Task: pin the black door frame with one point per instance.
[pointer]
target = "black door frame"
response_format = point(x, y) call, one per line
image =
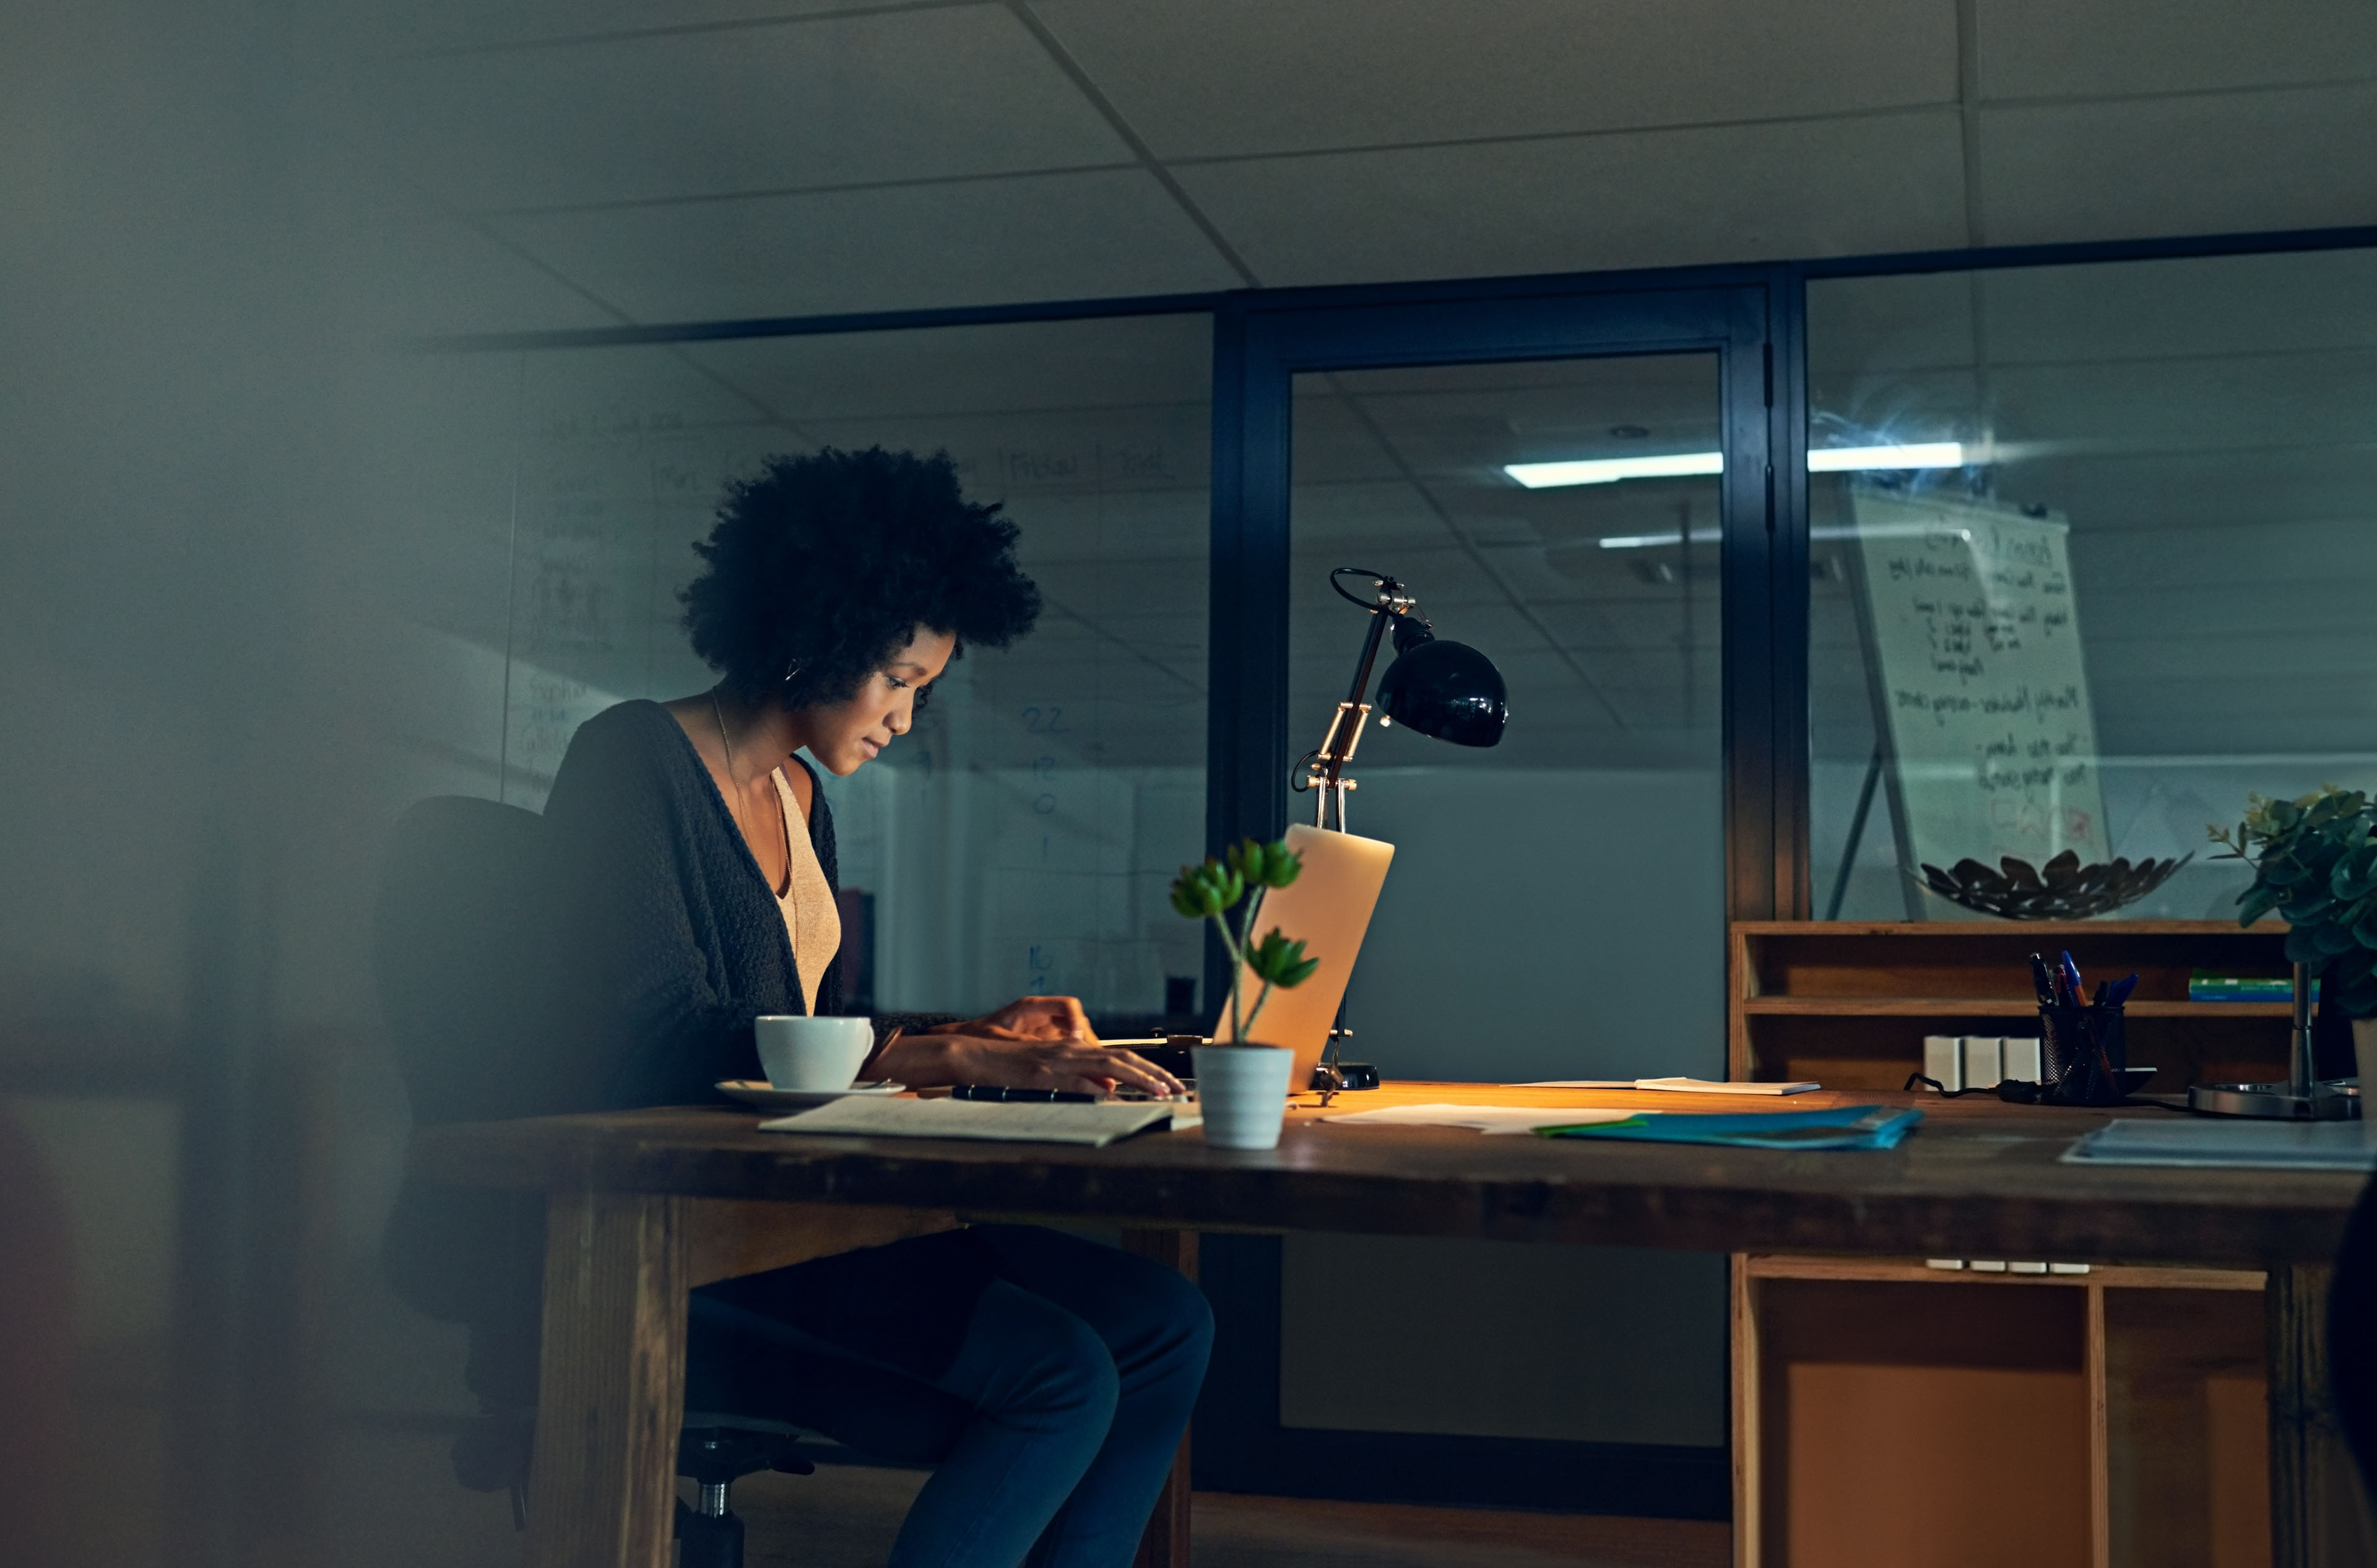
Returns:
point(1260, 347)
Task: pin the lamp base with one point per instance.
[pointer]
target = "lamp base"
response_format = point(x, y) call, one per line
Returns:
point(1349, 1075)
point(2331, 1100)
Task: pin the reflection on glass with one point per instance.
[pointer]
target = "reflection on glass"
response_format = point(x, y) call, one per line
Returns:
point(1593, 833)
point(1556, 907)
point(1021, 839)
point(2188, 442)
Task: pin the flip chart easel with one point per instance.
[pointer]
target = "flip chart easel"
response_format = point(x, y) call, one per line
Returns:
point(1984, 731)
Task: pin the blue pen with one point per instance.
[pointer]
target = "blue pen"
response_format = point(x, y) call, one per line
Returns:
point(2122, 990)
point(2074, 991)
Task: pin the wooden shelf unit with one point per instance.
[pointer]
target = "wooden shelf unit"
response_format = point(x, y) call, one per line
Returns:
point(1848, 1003)
point(1887, 1413)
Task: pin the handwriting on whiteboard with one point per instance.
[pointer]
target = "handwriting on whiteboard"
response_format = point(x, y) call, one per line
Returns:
point(1973, 640)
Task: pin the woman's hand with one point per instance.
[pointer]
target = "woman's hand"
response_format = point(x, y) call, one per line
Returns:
point(1030, 1018)
point(1078, 1067)
point(1037, 1043)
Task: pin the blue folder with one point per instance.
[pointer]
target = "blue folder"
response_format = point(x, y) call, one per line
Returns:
point(1850, 1127)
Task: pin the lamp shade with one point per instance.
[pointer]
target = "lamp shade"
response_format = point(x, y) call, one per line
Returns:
point(1447, 690)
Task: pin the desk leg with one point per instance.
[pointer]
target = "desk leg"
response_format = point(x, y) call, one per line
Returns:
point(611, 1383)
point(1165, 1544)
point(2319, 1515)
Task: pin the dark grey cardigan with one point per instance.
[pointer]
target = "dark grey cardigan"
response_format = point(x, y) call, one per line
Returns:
point(671, 940)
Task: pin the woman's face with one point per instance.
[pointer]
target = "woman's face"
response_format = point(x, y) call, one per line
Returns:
point(845, 734)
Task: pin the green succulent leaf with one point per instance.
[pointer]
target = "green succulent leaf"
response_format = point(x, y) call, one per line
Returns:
point(1270, 864)
point(1201, 892)
point(1279, 962)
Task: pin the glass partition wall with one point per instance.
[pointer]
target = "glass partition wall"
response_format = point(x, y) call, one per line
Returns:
point(1021, 839)
point(2191, 444)
point(1596, 828)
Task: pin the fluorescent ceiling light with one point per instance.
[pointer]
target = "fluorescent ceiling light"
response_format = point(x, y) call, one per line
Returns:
point(1711, 536)
point(1608, 470)
point(1848, 460)
point(1678, 465)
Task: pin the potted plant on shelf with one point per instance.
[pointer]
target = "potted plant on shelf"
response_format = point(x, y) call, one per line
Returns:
point(1242, 1087)
point(2315, 862)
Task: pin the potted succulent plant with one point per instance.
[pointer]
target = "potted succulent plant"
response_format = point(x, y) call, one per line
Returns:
point(2315, 862)
point(1242, 1087)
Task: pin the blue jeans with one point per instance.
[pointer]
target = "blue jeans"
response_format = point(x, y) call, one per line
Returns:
point(1051, 1430)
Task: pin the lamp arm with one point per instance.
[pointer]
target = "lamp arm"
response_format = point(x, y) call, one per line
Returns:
point(1324, 769)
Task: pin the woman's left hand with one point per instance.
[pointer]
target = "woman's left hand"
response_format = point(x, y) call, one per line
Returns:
point(1030, 1018)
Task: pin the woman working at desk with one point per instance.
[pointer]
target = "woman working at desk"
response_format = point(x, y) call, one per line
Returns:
point(1049, 1378)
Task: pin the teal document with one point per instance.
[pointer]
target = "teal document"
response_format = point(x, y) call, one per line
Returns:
point(1851, 1127)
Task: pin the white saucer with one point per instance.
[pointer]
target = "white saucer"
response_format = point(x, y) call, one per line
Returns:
point(755, 1092)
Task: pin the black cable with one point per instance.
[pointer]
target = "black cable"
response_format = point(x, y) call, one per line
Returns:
point(1379, 577)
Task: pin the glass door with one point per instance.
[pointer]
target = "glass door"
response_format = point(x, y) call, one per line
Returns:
point(1574, 488)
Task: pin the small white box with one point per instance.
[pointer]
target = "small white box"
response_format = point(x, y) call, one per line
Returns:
point(1944, 1061)
point(1982, 1067)
point(2019, 1059)
point(1944, 1262)
point(1988, 1266)
point(2067, 1268)
point(2026, 1268)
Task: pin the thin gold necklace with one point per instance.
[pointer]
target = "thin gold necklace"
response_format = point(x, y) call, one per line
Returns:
point(734, 808)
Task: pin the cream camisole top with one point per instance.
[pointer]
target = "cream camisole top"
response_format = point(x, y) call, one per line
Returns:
point(810, 919)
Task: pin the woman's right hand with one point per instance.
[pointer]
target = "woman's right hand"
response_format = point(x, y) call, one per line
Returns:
point(1076, 1067)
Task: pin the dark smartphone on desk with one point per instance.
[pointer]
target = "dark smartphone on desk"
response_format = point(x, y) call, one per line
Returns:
point(1000, 1094)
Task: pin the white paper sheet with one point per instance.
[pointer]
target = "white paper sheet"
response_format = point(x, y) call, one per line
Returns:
point(1673, 1085)
point(1482, 1118)
point(1095, 1125)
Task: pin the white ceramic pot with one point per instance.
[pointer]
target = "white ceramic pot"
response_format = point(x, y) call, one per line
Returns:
point(1242, 1094)
point(2364, 1051)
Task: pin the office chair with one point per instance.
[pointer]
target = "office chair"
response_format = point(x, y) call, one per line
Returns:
point(456, 951)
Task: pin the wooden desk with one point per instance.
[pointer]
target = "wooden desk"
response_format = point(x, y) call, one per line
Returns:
point(645, 1205)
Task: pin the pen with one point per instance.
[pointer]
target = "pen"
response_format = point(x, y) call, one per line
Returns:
point(2075, 989)
point(2040, 981)
point(2122, 990)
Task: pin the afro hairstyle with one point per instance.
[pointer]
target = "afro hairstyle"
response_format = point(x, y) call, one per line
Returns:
point(823, 566)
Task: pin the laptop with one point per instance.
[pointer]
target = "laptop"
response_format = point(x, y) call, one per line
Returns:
point(1327, 907)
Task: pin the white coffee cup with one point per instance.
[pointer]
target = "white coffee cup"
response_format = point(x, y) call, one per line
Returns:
point(813, 1054)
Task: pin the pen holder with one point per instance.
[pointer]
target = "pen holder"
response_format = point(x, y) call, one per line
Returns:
point(2083, 1052)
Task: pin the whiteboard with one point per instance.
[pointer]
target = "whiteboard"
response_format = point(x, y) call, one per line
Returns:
point(1981, 702)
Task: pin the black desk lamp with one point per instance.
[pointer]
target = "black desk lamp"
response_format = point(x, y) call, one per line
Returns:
point(1446, 691)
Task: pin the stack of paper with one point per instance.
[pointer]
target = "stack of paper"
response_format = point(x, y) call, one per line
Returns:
point(2271, 1145)
point(1095, 1125)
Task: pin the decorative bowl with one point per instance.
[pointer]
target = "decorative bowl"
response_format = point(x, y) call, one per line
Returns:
point(2061, 889)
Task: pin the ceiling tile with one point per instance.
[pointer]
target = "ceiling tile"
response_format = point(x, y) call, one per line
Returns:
point(1638, 199)
point(1057, 236)
point(1221, 77)
point(420, 26)
point(2108, 48)
point(2214, 164)
point(857, 100)
point(1044, 367)
point(1859, 325)
point(430, 275)
point(2304, 302)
